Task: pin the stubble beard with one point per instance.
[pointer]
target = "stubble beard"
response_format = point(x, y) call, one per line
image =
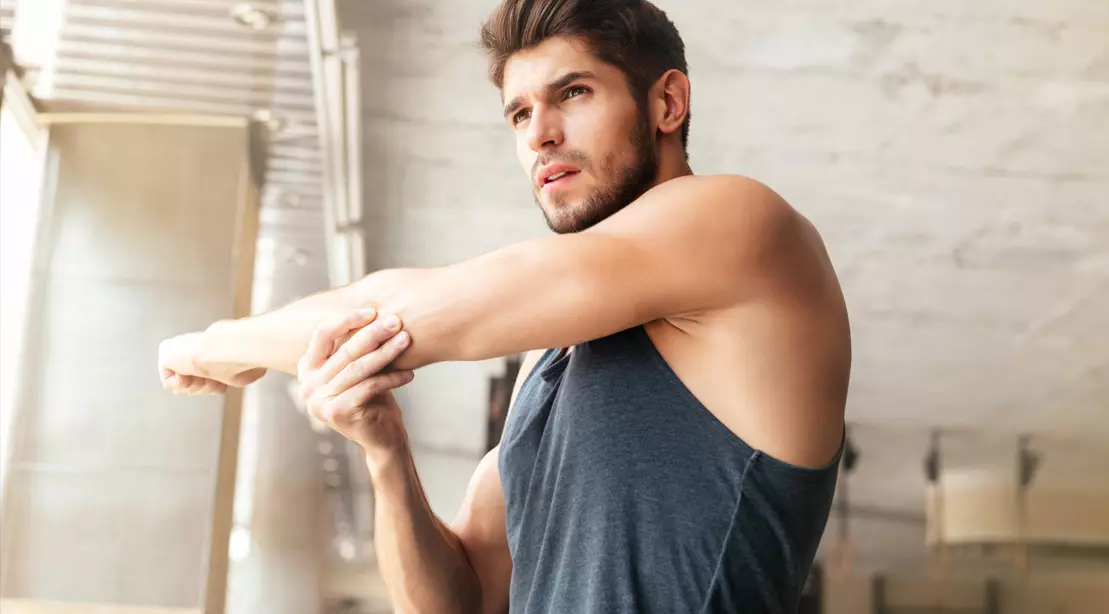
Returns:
point(626, 185)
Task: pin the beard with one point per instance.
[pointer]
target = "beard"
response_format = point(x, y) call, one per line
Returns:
point(623, 186)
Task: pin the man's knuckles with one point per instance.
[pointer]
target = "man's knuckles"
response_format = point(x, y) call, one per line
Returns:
point(317, 408)
point(372, 336)
point(306, 389)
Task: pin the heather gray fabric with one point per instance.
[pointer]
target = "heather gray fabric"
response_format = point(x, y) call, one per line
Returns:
point(625, 494)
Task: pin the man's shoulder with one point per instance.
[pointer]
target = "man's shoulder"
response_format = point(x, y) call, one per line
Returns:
point(719, 186)
point(734, 202)
point(775, 242)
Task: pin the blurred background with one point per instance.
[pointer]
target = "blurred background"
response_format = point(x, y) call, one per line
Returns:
point(168, 163)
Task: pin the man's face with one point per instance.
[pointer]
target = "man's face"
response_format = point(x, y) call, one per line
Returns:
point(585, 143)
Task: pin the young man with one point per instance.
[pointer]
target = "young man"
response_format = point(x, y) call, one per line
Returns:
point(677, 448)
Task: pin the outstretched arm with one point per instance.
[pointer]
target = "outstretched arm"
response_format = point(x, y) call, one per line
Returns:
point(690, 245)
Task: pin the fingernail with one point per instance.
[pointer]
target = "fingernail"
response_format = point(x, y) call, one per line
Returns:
point(392, 323)
point(368, 313)
point(401, 338)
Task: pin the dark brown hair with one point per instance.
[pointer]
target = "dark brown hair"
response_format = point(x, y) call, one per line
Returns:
point(632, 35)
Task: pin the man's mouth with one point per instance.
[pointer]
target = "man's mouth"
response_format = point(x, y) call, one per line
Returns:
point(559, 178)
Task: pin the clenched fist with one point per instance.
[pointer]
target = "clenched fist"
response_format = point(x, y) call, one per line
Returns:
point(345, 383)
point(183, 371)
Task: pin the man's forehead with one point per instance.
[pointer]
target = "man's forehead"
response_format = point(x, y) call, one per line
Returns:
point(534, 68)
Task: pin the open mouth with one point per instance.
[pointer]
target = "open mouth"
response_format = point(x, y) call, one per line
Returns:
point(559, 178)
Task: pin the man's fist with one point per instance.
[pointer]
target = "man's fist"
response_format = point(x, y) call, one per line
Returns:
point(345, 384)
point(184, 372)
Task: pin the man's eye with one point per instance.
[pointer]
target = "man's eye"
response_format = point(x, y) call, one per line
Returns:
point(577, 90)
point(520, 116)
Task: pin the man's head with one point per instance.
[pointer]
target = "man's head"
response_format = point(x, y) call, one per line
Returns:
point(593, 88)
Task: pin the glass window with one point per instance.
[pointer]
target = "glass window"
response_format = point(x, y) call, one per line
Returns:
point(21, 166)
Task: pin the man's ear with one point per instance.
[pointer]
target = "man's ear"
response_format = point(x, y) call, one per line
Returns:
point(670, 101)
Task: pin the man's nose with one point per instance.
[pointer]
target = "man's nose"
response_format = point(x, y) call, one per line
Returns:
point(545, 130)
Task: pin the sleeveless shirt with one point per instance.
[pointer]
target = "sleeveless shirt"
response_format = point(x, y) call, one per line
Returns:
point(625, 494)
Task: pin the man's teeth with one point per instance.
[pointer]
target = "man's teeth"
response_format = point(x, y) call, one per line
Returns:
point(555, 176)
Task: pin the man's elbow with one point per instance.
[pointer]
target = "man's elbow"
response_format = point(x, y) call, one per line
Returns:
point(411, 295)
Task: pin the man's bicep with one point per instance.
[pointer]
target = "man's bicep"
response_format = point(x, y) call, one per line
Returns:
point(693, 245)
point(480, 526)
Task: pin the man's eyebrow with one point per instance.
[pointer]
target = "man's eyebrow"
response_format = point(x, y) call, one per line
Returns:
point(512, 105)
point(555, 85)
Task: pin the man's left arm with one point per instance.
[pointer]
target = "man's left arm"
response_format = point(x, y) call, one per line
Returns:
point(688, 246)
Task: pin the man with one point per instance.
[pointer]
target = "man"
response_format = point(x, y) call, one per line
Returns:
point(676, 447)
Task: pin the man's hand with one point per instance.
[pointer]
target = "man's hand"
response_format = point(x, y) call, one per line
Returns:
point(183, 371)
point(344, 383)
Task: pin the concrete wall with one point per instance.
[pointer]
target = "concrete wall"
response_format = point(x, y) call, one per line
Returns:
point(148, 232)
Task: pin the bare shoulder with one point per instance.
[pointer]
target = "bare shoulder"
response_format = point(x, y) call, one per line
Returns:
point(752, 210)
point(747, 234)
point(737, 217)
point(729, 197)
point(782, 254)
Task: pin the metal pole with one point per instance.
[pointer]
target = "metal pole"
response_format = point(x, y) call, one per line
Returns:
point(331, 199)
point(878, 595)
point(1027, 462)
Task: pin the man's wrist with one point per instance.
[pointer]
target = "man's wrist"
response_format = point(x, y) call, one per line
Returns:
point(212, 342)
point(388, 466)
point(227, 344)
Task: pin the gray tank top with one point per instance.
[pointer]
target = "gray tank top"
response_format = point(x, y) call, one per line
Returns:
point(624, 494)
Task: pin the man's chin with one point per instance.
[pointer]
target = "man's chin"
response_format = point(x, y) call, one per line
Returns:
point(561, 218)
point(569, 219)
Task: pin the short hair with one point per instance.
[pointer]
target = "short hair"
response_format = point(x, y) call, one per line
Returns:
point(633, 35)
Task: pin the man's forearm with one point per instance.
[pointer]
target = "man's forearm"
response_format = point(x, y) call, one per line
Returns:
point(423, 563)
point(276, 340)
point(543, 293)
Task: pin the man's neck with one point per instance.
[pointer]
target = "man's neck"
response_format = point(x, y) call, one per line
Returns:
point(671, 165)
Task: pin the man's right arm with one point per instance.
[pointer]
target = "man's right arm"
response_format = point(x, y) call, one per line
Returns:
point(429, 566)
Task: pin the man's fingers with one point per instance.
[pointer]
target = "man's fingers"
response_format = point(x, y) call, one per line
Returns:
point(170, 383)
point(191, 385)
point(213, 387)
point(340, 409)
point(369, 365)
point(199, 386)
point(363, 342)
point(344, 405)
point(323, 341)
